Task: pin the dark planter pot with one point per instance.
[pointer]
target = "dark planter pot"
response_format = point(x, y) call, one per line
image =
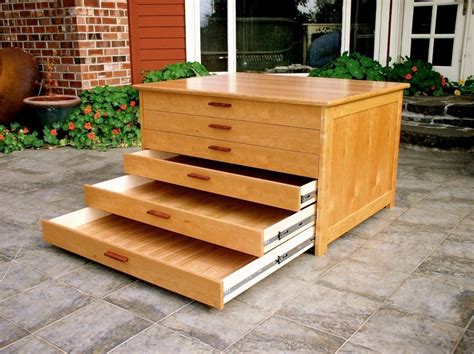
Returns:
point(47, 110)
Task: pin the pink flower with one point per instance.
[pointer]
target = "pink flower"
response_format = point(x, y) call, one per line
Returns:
point(91, 136)
point(25, 130)
point(132, 103)
point(53, 132)
point(408, 76)
point(414, 68)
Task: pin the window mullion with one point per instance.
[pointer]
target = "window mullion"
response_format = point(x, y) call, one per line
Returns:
point(231, 36)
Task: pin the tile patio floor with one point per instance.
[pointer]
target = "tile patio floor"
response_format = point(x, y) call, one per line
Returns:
point(401, 282)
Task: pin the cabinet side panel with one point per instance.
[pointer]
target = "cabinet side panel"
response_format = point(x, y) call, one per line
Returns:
point(362, 167)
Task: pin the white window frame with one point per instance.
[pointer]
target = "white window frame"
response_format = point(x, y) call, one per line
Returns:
point(193, 31)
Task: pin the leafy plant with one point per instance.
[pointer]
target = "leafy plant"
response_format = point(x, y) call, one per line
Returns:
point(419, 74)
point(107, 117)
point(461, 87)
point(17, 138)
point(351, 66)
point(177, 71)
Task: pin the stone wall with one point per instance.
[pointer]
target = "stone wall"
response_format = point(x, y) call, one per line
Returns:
point(85, 42)
point(442, 122)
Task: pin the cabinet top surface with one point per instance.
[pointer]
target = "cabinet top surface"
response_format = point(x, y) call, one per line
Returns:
point(277, 88)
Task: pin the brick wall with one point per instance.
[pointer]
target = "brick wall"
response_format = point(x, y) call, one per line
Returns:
point(86, 42)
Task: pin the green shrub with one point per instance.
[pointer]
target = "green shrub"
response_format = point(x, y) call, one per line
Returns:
point(419, 74)
point(107, 117)
point(17, 138)
point(461, 87)
point(351, 66)
point(177, 71)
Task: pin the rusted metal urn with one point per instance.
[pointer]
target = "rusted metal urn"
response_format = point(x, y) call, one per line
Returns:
point(18, 74)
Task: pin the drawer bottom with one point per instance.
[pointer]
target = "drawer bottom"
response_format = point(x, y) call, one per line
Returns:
point(203, 271)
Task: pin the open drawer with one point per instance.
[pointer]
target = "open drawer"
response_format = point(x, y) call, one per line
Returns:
point(237, 224)
point(205, 272)
point(260, 186)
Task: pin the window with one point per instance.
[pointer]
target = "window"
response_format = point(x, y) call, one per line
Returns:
point(246, 35)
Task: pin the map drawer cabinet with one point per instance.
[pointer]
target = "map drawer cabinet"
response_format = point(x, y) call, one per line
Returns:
point(239, 174)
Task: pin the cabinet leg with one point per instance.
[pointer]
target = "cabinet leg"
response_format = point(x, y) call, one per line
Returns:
point(320, 249)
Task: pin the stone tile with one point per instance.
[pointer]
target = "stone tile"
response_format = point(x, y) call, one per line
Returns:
point(416, 185)
point(51, 261)
point(97, 328)
point(96, 280)
point(217, 328)
point(394, 331)
point(272, 292)
point(31, 345)
point(441, 301)
point(277, 335)
point(12, 237)
point(350, 347)
point(391, 256)
point(42, 305)
point(148, 300)
point(466, 345)
point(431, 218)
point(406, 198)
point(443, 202)
point(19, 278)
point(466, 227)
point(308, 268)
point(346, 245)
point(458, 246)
point(447, 269)
point(390, 213)
point(363, 279)
point(330, 310)
point(371, 226)
point(407, 234)
point(158, 339)
point(10, 333)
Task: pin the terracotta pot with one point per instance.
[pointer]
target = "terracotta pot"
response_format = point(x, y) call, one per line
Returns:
point(47, 110)
point(18, 74)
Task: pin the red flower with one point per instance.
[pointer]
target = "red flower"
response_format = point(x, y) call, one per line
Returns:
point(132, 103)
point(408, 76)
point(87, 110)
point(53, 132)
point(1, 137)
point(97, 115)
point(123, 107)
point(72, 126)
point(25, 130)
point(433, 88)
point(88, 126)
point(414, 68)
point(116, 131)
point(91, 136)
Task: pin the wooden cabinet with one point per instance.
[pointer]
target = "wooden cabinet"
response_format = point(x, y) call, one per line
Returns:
point(239, 174)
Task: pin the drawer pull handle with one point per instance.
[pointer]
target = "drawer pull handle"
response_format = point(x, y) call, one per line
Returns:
point(116, 256)
point(219, 148)
point(220, 126)
point(195, 175)
point(158, 214)
point(220, 104)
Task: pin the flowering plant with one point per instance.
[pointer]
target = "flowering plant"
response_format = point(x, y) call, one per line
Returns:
point(18, 138)
point(461, 87)
point(419, 74)
point(107, 117)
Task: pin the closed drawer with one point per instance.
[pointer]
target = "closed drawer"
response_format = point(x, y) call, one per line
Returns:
point(240, 225)
point(275, 136)
point(253, 111)
point(296, 163)
point(205, 272)
point(260, 186)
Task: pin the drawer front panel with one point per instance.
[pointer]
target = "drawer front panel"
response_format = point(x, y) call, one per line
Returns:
point(274, 136)
point(202, 271)
point(246, 227)
point(246, 110)
point(297, 163)
point(287, 192)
